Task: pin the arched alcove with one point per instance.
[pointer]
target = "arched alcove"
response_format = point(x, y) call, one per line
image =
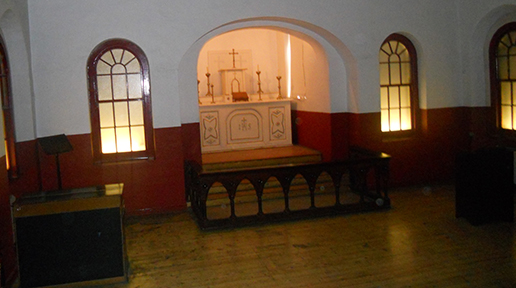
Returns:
point(342, 71)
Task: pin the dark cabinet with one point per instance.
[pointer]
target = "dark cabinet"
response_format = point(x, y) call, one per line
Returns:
point(71, 236)
point(485, 186)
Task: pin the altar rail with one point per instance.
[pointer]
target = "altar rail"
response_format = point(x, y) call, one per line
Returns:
point(363, 166)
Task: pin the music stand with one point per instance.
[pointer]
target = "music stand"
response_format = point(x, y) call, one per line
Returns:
point(55, 145)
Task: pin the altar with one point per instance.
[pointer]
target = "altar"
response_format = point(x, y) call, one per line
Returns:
point(236, 115)
point(245, 125)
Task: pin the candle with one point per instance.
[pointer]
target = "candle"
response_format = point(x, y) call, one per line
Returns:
point(258, 67)
point(207, 71)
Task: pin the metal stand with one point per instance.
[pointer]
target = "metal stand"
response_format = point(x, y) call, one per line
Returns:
point(55, 145)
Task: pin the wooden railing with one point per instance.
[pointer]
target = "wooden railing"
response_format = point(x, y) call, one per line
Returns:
point(366, 170)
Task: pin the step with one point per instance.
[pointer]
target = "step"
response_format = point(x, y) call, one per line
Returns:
point(259, 158)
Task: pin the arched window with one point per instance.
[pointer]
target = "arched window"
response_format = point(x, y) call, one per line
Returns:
point(398, 85)
point(502, 60)
point(7, 111)
point(120, 102)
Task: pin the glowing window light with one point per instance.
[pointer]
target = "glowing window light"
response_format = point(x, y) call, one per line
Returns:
point(395, 82)
point(120, 102)
point(506, 63)
point(289, 66)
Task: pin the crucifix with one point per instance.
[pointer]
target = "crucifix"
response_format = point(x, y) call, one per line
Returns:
point(233, 53)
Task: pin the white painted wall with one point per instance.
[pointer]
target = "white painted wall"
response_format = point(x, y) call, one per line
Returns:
point(14, 27)
point(172, 33)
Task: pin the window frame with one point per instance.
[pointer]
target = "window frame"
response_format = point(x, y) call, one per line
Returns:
point(94, 58)
point(413, 86)
point(8, 113)
point(495, 82)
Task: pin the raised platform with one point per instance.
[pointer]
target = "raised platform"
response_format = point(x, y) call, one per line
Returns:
point(259, 157)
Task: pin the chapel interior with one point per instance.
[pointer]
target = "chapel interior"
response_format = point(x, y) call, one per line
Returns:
point(261, 144)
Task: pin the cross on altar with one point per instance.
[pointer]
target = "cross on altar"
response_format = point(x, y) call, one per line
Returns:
point(233, 53)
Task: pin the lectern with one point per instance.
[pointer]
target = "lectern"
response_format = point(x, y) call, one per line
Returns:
point(66, 237)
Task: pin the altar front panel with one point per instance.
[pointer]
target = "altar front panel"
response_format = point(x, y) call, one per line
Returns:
point(245, 125)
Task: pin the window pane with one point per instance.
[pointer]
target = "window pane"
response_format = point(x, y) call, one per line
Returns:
point(119, 87)
point(513, 92)
point(108, 140)
point(512, 67)
point(512, 37)
point(103, 68)
point(505, 92)
point(136, 112)
point(385, 120)
point(384, 74)
point(506, 117)
point(104, 87)
point(394, 97)
point(502, 49)
point(138, 138)
point(404, 55)
point(108, 58)
point(394, 46)
point(383, 57)
point(395, 71)
point(503, 68)
point(394, 120)
point(133, 66)
point(128, 56)
point(405, 96)
point(106, 115)
point(405, 73)
point(121, 114)
point(406, 119)
point(118, 69)
point(117, 53)
point(384, 98)
point(135, 87)
point(123, 140)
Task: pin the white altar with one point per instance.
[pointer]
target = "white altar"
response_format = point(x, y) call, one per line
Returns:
point(245, 125)
point(238, 116)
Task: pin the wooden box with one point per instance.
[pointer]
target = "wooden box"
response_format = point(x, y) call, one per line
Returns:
point(71, 237)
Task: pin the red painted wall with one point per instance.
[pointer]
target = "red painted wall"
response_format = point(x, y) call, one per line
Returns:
point(426, 157)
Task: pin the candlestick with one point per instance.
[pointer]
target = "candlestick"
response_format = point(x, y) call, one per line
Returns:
point(259, 85)
point(212, 97)
point(279, 88)
point(208, 83)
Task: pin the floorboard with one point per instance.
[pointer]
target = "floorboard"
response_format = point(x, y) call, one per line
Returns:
point(417, 243)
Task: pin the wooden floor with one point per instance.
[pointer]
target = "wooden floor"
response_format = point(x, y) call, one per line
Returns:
point(417, 243)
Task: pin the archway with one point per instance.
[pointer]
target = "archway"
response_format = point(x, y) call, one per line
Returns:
point(341, 79)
